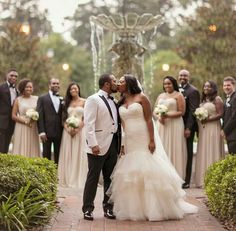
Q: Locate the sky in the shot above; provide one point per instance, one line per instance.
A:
(58, 9)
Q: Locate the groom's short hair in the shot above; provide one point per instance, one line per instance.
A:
(104, 78)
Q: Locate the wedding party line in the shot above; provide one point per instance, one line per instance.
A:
(142, 154)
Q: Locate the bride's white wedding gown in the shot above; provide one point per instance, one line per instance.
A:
(145, 186)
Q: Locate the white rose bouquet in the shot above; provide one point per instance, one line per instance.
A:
(160, 110)
(73, 121)
(201, 113)
(32, 114)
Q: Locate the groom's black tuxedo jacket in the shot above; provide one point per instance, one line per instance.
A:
(49, 121)
(229, 118)
(6, 121)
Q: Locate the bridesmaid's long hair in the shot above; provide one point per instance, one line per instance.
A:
(132, 87)
(173, 81)
(22, 85)
(68, 99)
(213, 94)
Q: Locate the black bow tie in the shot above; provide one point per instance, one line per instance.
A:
(110, 97)
(12, 86)
(55, 93)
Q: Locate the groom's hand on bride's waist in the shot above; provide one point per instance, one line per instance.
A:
(95, 150)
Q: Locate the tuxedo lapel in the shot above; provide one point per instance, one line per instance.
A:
(50, 103)
(232, 95)
(8, 93)
(107, 105)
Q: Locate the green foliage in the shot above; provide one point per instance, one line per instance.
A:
(220, 187)
(153, 66)
(79, 59)
(23, 11)
(206, 39)
(16, 171)
(25, 208)
(28, 188)
(21, 51)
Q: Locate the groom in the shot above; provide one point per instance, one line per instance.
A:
(101, 127)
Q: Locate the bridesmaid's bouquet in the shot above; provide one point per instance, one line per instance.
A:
(160, 110)
(32, 114)
(73, 121)
(201, 113)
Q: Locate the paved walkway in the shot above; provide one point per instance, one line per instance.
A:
(71, 219)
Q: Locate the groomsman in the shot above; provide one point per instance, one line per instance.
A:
(229, 118)
(101, 128)
(50, 127)
(192, 98)
(8, 94)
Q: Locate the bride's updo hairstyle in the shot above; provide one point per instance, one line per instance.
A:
(132, 84)
(173, 81)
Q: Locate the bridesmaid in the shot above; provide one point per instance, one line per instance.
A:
(171, 125)
(25, 140)
(210, 147)
(72, 168)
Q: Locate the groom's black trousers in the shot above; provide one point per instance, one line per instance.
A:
(96, 164)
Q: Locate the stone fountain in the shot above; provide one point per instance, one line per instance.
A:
(127, 42)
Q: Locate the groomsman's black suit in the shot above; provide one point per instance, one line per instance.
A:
(50, 123)
(192, 98)
(229, 122)
(7, 125)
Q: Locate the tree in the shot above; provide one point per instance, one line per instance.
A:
(79, 60)
(207, 40)
(21, 51)
(155, 73)
(26, 11)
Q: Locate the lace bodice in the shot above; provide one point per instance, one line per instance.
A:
(171, 103)
(76, 111)
(27, 103)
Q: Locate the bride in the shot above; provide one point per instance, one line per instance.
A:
(145, 185)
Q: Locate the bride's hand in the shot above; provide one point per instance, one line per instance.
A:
(152, 146)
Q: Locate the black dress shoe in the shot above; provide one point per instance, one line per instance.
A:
(109, 214)
(88, 216)
(185, 185)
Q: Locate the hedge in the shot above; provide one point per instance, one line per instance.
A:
(28, 188)
(220, 187)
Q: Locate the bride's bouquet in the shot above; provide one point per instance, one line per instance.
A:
(73, 121)
(160, 110)
(201, 113)
(32, 114)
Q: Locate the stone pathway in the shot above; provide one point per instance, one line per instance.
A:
(71, 219)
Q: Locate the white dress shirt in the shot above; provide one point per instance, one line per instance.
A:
(55, 100)
(12, 93)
